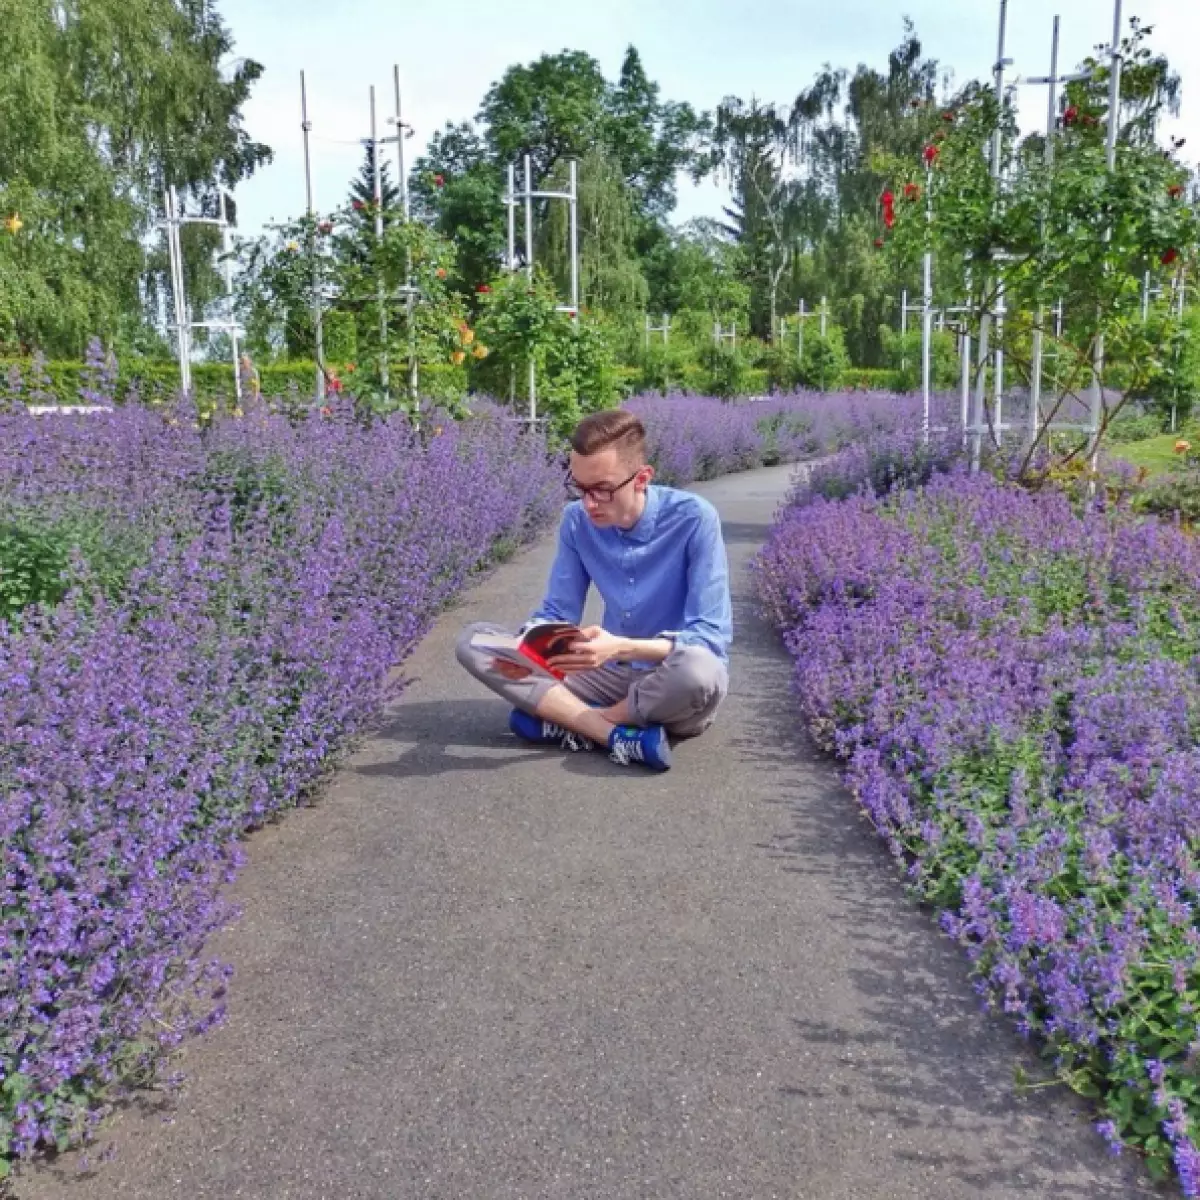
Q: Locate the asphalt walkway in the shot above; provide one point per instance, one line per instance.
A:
(476, 970)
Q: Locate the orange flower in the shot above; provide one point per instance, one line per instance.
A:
(14, 224)
(441, 272)
(468, 336)
(480, 352)
(1182, 446)
(457, 357)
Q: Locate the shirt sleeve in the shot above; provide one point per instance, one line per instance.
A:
(567, 587)
(708, 610)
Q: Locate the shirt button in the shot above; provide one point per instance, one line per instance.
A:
(627, 614)
(631, 579)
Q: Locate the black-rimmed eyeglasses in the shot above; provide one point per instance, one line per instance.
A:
(601, 495)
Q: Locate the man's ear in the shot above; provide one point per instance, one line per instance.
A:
(646, 476)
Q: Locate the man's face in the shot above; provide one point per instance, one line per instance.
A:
(611, 471)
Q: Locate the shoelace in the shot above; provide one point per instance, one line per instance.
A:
(627, 750)
(575, 741)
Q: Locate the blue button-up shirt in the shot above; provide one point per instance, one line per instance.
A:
(668, 576)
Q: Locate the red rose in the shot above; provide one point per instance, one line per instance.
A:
(358, 206)
(911, 191)
(326, 227)
(1169, 256)
(889, 218)
(439, 181)
(1175, 191)
(931, 153)
(888, 199)
(1071, 115)
(947, 116)
(483, 287)
(879, 243)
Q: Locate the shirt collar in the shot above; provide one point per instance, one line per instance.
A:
(643, 531)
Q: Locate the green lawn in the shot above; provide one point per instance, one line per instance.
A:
(1155, 454)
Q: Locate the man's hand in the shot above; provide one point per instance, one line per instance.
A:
(593, 649)
(510, 670)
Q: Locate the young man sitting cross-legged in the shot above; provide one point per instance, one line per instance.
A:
(658, 664)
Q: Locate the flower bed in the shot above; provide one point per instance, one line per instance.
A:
(1012, 687)
(199, 624)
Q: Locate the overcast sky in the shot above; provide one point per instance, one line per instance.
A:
(449, 52)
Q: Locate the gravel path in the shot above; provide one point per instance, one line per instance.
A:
(480, 970)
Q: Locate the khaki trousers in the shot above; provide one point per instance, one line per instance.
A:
(682, 692)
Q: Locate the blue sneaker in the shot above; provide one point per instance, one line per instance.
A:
(546, 733)
(628, 744)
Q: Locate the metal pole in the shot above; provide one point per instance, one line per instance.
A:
(318, 316)
(977, 418)
(824, 315)
(927, 318)
(800, 335)
(903, 328)
(575, 240)
(529, 276)
(182, 314)
(1114, 104)
(1001, 313)
(1035, 390)
(177, 299)
(512, 217)
(400, 144)
(233, 337)
(528, 219)
(409, 297)
(926, 339)
(965, 355)
(378, 192)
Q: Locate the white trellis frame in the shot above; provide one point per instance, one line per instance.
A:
(527, 196)
(978, 424)
(173, 221)
(721, 334)
(664, 328)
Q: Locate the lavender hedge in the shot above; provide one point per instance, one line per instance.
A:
(194, 625)
(693, 438)
(232, 605)
(1012, 686)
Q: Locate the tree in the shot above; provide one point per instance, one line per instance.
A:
(112, 103)
(752, 143)
(1075, 231)
(610, 274)
(557, 108)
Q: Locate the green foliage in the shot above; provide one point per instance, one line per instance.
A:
(902, 354)
(574, 364)
(42, 557)
(726, 371)
(1075, 231)
(1173, 386)
(870, 379)
(825, 361)
(1173, 494)
(34, 560)
(105, 103)
(1132, 427)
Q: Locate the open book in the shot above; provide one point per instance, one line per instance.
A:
(532, 648)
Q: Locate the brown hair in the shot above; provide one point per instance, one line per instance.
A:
(615, 427)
